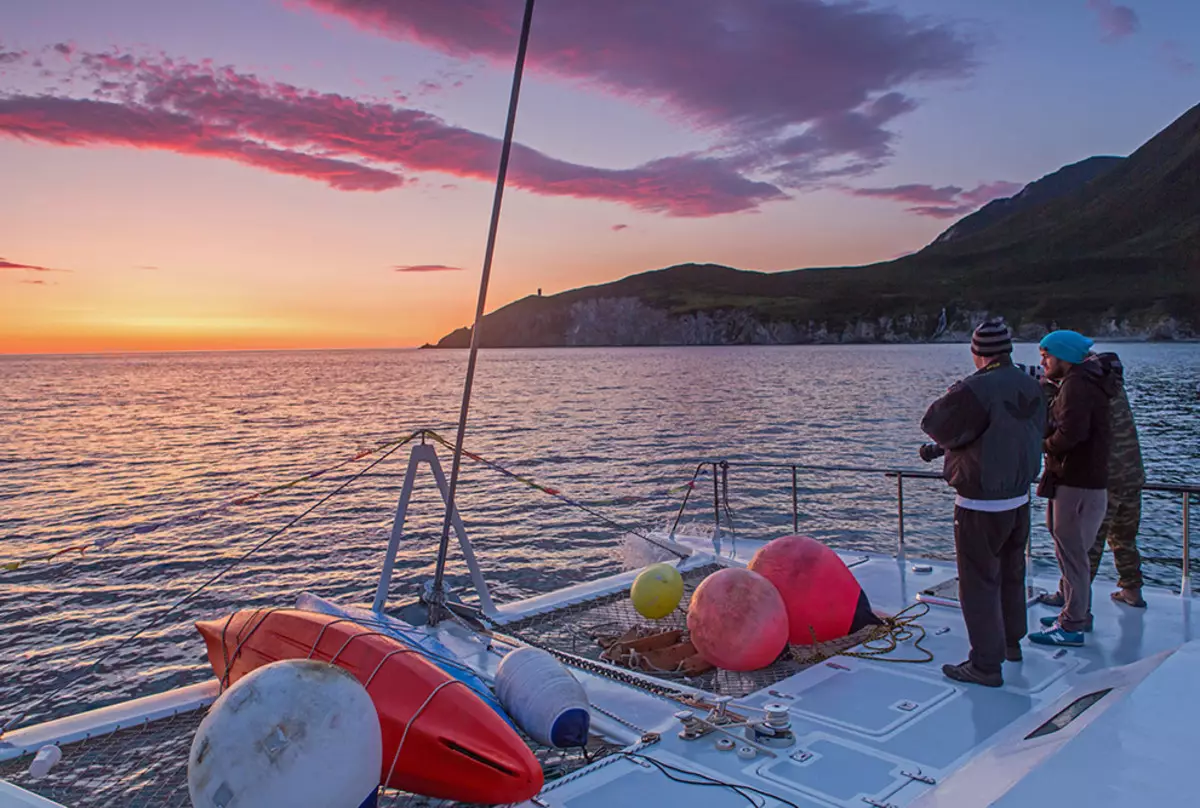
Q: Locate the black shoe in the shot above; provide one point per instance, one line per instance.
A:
(967, 672)
(1013, 653)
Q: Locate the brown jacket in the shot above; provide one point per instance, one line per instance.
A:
(1079, 436)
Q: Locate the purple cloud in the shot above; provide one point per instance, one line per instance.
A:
(945, 202)
(1117, 22)
(352, 145)
(426, 268)
(802, 89)
(1176, 58)
(619, 227)
(12, 265)
(34, 282)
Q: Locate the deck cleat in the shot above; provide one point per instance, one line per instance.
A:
(720, 714)
(692, 726)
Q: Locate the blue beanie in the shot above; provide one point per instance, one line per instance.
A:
(1069, 346)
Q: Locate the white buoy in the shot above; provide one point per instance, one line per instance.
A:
(44, 761)
(296, 733)
(542, 696)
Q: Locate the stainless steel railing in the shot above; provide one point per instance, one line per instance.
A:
(720, 470)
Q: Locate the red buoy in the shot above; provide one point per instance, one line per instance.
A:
(823, 599)
(737, 620)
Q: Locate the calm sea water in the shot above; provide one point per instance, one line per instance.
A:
(94, 447)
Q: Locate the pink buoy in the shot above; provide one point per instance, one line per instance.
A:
(737, 620)
(823, 599)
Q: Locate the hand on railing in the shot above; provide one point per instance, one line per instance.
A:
(929, 451)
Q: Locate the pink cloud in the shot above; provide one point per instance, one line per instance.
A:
(1117, 22)
(945, 202)
(12, 265)
(426, 268)
(34, 282)
(1173, 53)
(199, 109)
(985, 192)
(85, 122)
(616, 228)
(800, 88)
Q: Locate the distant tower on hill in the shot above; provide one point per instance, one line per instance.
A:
(539, 291)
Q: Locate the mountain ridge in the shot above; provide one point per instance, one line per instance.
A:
(1110, 247)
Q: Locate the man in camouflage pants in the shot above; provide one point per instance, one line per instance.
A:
(1126, 476)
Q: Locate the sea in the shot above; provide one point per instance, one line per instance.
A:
(142, 492)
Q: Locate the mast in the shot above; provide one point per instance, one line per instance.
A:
(437, 597)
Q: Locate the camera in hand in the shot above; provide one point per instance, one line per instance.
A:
(929, 451)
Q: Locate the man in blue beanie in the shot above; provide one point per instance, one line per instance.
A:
(1076, 477)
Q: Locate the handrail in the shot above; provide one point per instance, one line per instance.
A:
(1177, 488)
(1185, 489)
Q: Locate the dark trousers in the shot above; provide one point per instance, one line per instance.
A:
(990, 549)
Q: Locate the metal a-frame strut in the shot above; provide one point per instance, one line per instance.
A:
(425, 453)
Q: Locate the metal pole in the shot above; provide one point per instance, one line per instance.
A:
(900, 511)
(501, 174)
(418, 455)
(1185, 588)
(716, 505)
(686, 496)
(795, 504)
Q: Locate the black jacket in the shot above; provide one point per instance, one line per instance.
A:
(1079, 436)
(991, 425)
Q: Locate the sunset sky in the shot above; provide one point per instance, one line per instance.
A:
(179, 174)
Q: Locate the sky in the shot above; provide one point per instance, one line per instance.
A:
(258, 174)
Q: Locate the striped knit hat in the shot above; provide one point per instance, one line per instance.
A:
(991, 338)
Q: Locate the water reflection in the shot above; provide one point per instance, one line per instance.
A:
(113, 443)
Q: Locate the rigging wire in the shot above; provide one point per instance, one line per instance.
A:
(193, 594)
(501, 175)
(554, 492)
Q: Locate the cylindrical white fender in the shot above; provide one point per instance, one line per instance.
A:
(542, 696)
(296, 733)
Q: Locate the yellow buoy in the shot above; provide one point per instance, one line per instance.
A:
(657, 591)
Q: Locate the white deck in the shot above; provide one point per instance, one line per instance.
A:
(876, 732)
(859, 746)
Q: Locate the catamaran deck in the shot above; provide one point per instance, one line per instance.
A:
(868, 731)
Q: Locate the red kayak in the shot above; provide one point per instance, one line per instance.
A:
(457, 748)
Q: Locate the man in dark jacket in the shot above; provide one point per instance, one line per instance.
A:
(1076, 479)
(990, 426)
(1126, 476)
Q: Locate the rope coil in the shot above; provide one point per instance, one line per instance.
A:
(876, 641)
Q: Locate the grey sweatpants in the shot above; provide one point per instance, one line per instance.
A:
(1073, 517)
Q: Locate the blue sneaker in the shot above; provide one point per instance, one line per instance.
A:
(1052, 620)
(1057, 635)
